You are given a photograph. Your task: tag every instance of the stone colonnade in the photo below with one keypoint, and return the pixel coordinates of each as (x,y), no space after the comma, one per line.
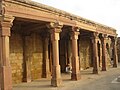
(96,37)
(55,29)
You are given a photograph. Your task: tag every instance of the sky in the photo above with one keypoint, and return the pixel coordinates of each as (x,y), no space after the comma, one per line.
(106,12)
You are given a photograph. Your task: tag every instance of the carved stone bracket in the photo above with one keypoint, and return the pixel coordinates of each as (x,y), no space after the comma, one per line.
(95,37)
(53,25)
(74,32)
(114,39)
(6,23)
(104,37)
(55,29)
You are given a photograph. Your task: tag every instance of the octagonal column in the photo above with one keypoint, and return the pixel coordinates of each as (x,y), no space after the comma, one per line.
(26,60)
(5,68)
(115,58)
(46,69)
(75,62)
(95,53)
(104,56)
(69,52)
(55,29)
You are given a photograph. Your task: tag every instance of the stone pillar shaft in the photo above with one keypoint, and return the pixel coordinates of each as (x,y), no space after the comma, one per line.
(27,62)
(69,52)
(115,58)
(95,54)
(5,68)
(75,62)
(56,75)
(46,69)
(104,57)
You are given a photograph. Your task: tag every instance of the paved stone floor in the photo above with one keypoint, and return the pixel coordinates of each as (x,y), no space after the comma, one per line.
(88,81)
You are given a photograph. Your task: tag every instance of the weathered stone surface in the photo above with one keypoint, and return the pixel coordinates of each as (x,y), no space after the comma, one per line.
(85,53)
(16,57)
(34,54)
(34,51)
(108,52)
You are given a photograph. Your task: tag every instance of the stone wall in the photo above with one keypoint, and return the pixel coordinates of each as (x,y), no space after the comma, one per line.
(16,57)
(33,51)
(62,54)
(108,51)
(85,53)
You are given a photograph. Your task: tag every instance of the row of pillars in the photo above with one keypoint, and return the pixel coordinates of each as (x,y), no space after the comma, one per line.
(103,38)
(55,29)
(56,81)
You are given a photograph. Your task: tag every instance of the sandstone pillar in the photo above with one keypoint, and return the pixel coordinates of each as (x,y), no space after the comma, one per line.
(69,52)
(115,58)
(46,67)
(5,68)
(56,75)
(26,60)
(75,62)
(95,53)
(104,56)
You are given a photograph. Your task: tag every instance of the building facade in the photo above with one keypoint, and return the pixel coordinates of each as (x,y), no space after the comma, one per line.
(38,41)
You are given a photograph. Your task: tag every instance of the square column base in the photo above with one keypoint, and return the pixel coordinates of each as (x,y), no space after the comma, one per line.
(27,80)
(56,82)
(104,64)
(114,66)
(75,76)
(56,76)
(95,71)
(5,78)
(104,69)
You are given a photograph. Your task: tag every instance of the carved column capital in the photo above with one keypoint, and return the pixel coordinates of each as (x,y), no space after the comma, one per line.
(74,32)
(55,26)
(95,37)
(103,38)
(114,39)
(6,23)
(55,29)
(75,29)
